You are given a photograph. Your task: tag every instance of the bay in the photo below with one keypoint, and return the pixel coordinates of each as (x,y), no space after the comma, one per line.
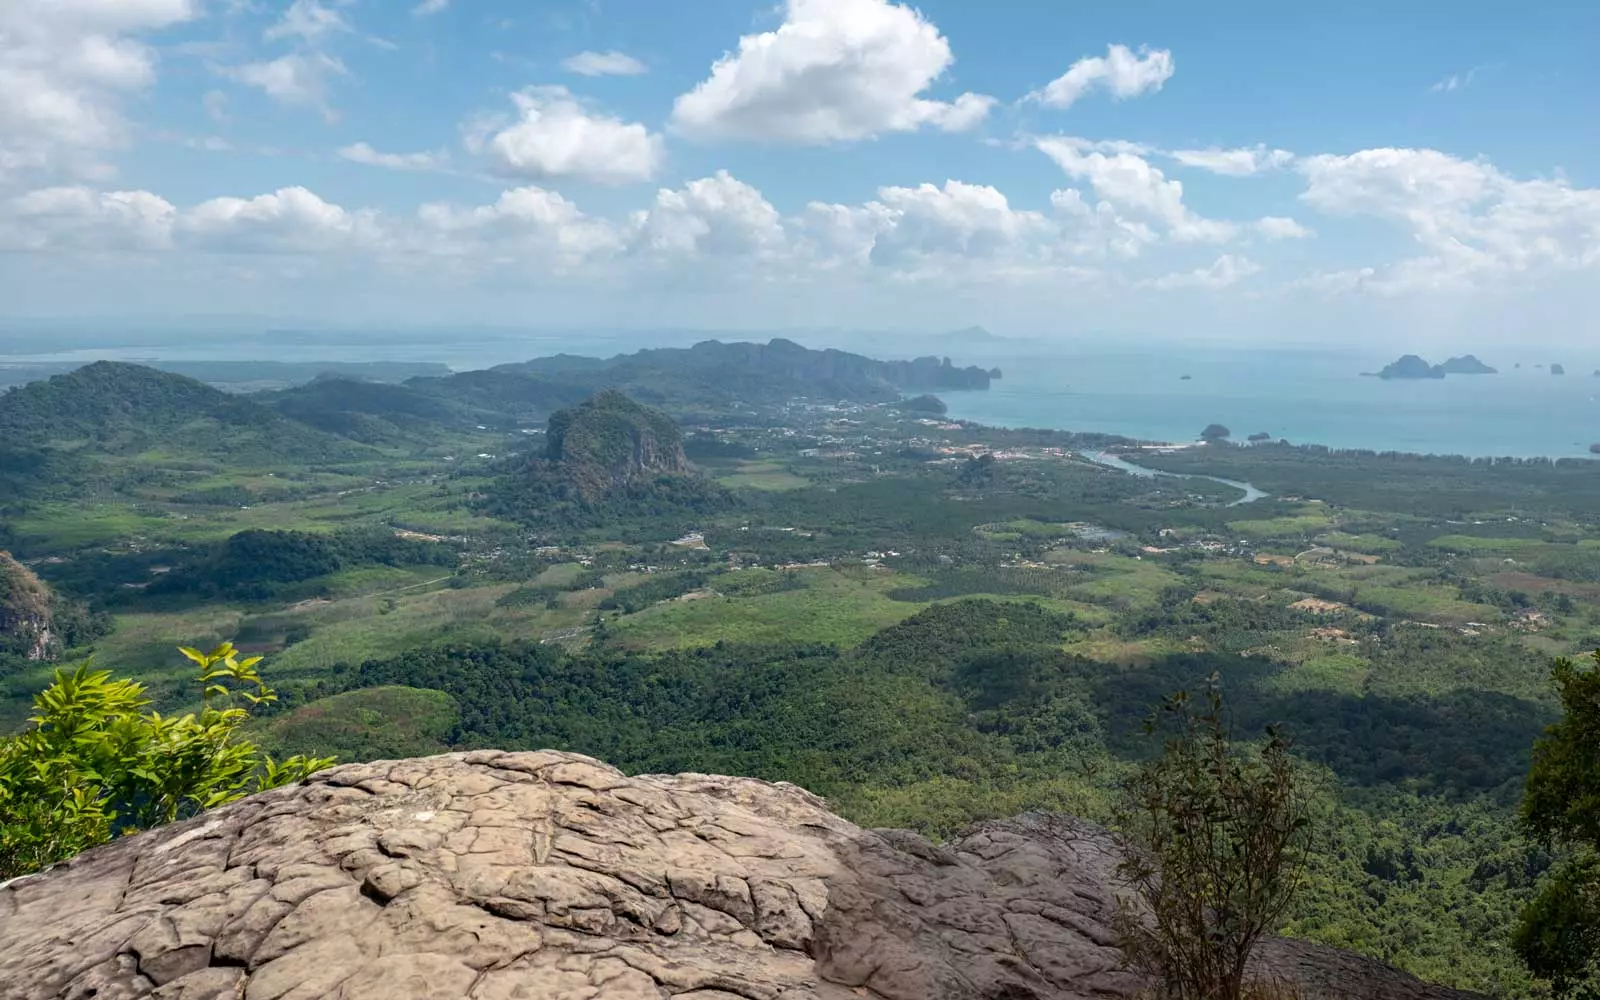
(1306,397)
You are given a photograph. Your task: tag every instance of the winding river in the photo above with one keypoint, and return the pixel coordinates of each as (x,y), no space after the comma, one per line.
(1251,493)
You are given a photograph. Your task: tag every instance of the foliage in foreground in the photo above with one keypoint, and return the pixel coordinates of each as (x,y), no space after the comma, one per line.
(95,764)
(1558,935)
(1215,845)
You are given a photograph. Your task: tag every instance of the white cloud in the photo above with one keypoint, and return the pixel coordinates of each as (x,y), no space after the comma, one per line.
(833,71)
(1130,184)
(1455,81)
(427,7)
(522,222)
(79,218)
(1277,227)
(361,152)
(557,137)
(604,64)
(1234,162)
(718,216)
(1121,71)
(1225,271)
(290,220)
(296,78)
(907,225)
(1472,222)
(309,21)
(65,69)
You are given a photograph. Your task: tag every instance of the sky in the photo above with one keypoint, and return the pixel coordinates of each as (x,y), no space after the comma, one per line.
(1411,174)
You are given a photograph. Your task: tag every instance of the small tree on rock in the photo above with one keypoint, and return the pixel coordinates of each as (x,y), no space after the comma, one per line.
(1214,839)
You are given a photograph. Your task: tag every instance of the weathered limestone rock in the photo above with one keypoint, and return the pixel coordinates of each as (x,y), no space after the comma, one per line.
(550,876)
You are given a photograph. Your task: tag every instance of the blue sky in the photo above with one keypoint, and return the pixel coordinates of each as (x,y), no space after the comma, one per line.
(1245,171)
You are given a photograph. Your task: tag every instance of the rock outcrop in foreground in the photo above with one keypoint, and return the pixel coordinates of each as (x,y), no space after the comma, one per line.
(550,876)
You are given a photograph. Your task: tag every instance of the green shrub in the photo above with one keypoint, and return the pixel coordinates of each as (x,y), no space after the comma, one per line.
(94,763)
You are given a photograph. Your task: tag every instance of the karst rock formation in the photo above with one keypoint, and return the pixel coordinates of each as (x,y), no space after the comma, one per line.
(551,876)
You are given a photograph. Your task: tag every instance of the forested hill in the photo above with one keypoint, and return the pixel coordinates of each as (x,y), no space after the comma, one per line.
(119,408)
(370,412)
(713,371)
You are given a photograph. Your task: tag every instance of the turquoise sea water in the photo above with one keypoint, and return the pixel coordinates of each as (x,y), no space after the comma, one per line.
(1306,397)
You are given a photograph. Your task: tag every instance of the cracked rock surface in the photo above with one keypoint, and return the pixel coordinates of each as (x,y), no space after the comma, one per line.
(551,876)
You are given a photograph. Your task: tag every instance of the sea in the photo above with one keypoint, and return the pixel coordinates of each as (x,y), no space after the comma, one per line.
(1303,396)
(1307,396)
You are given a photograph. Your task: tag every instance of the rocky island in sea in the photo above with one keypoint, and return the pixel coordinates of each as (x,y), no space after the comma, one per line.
(1411,366)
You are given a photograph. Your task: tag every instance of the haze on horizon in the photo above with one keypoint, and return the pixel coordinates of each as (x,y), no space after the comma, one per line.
(1082,176)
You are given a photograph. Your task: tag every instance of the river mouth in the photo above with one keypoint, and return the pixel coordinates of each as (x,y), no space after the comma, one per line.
(1252,493)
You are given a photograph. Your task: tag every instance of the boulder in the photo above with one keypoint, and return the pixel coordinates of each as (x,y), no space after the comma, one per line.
(550,875)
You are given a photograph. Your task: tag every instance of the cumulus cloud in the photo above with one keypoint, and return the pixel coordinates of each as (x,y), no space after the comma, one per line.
(604,64)
(1121,72)
(523,221)
(362,152)
(833,71)
(718,215)
(427,7)
(1226,270)
(290,220)
(65,69)
(1234,162)
(83,219)
(1130,184)
(556,137)
(908,225)
(1471,220)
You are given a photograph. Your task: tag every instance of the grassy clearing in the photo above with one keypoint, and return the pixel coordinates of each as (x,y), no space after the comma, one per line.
(1106,647)
(1327,671)
(1308,523)
(1376,545)
(560,575)
(372,627)
(837,607)
(773,476)
(1118,581)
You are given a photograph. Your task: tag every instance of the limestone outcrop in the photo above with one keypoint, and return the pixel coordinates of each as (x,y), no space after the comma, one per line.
(551,876)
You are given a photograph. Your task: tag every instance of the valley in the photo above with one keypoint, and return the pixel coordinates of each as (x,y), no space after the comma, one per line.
(759,560)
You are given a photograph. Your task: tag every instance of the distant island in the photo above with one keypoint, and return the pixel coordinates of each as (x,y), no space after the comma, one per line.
(1557,370)
(1411,366)
(1260,436)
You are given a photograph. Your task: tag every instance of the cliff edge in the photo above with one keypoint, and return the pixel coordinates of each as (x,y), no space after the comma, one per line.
(550,875)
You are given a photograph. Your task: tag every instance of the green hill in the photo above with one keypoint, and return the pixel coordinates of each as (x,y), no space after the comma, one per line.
(714,374)
(379,723)
(607,458)
(610,442)
(115,408)
(370,412)
(500,397)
